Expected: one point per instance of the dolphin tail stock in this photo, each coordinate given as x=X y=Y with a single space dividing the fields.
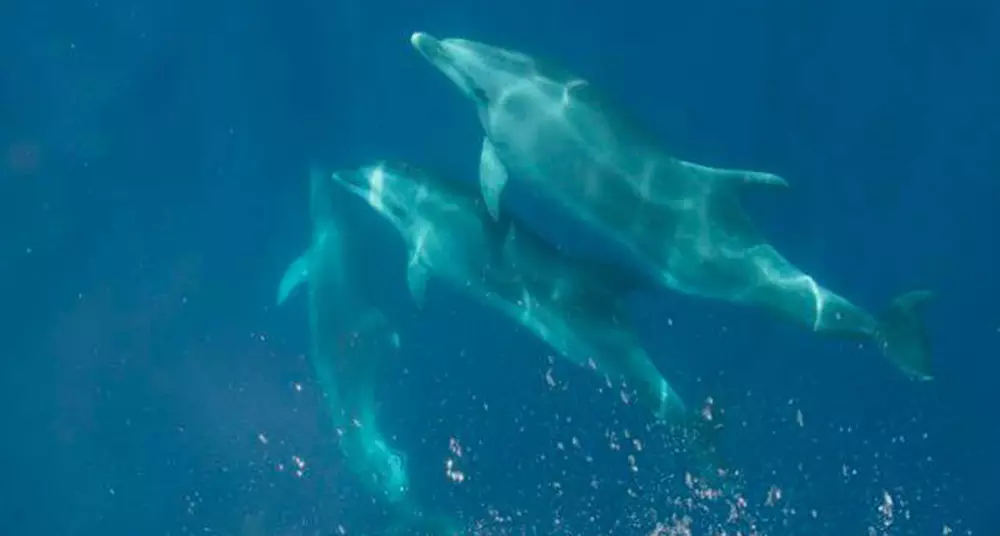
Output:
x=902 y=336
x=667 y=404
x=377 y=463
x=652 y=389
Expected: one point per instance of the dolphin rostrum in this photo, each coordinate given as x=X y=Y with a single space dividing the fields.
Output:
x=350 y=339
x=575 y=307
x=681 y=221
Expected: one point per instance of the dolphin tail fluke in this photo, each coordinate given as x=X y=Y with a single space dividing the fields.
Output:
x=902 y=336
x=296 y=274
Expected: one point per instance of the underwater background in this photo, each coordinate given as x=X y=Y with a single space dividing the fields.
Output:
x=154 y=161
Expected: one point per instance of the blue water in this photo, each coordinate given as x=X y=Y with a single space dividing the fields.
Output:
x=154 y=181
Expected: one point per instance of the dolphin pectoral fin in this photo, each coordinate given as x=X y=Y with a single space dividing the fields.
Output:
x=737 y=176
x=902 y=336
x=492 y=178
x=296 y=273
x=416 y=279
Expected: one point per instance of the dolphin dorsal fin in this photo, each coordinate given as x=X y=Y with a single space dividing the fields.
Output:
x=735 y=176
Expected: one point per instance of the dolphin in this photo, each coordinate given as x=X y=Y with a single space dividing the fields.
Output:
x=350 y=338
x=576 y=308
x=681 y=222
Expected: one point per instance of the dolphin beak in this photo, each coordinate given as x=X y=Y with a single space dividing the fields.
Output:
x=429 y=46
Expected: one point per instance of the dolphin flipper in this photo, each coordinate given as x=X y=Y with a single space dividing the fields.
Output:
x=296 y=274
x=492 y=178
x=902 y=336
x=321 y=213
x=736 y=176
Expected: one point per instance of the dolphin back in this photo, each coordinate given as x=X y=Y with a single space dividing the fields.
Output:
x=438 y=179
x=465 y=192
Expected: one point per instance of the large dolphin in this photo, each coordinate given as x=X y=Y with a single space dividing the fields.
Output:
x=350 y=338
x=574 y=307
x=682 y=222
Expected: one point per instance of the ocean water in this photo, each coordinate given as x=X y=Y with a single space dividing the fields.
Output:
x=154 y=166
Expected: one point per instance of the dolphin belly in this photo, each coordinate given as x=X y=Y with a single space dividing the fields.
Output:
x=601 y=212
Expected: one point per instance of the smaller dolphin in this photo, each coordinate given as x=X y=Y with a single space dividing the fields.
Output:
x=575 y=307
x=681 y=221
x=349 y=340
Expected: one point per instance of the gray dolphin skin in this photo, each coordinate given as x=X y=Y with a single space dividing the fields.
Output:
x=682 y=222
x=350 y=339
x=576 y=308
